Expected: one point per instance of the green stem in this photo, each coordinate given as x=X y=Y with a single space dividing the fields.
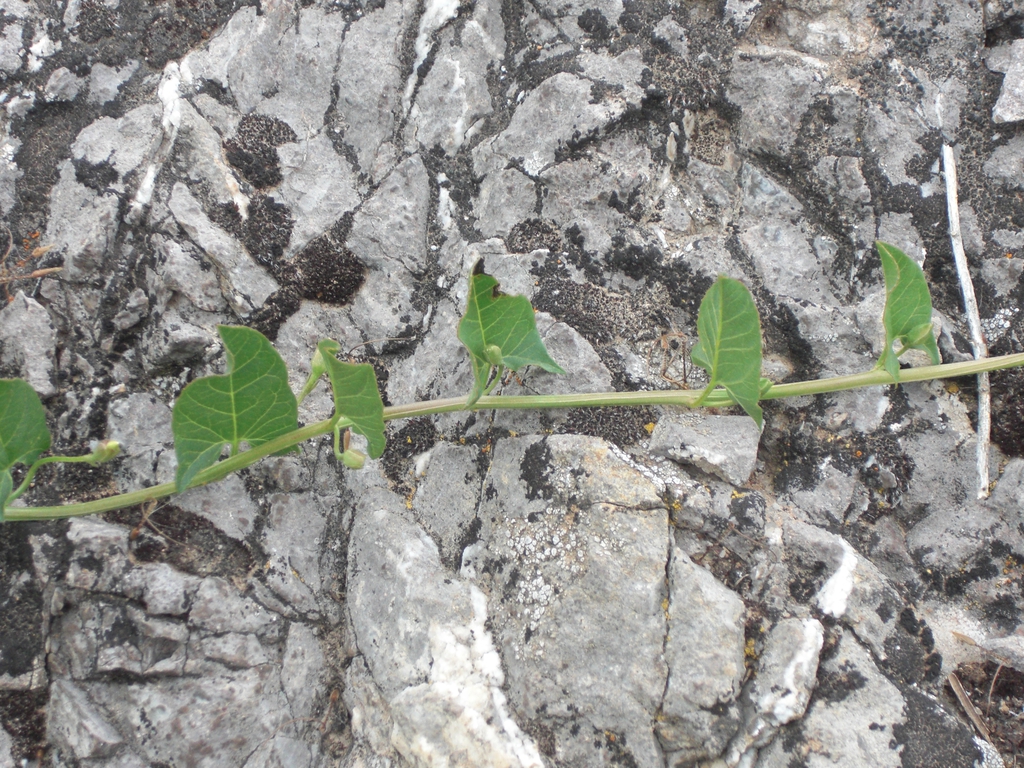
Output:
x=48 y=460
x=717 y=399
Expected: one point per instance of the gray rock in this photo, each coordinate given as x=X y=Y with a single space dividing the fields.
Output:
x=74 y=724
x=81 y=225
x=6 y=746
x=579 y=539
x=725 y=446
x=781 y=690
x=164 y=591
x=245 y=284
x=579 y=195
x=218 y=607
x=773 y=224
x=854 y=591
x=135 y=308
x=742 y=12
x=11 y=50
x=105 y=82
x=1007 y=163
x=63 y=85
x=28 y=342
x=774 y=92
x=390 y=230
x=853 y=729
x=142 y=424
x=539 y=127
x=318 y=188
x=425 y=640
x=208 y=719
x=447 y=497
x=279 y=61
x=175 y=342
x=179 y=271
x=453 y=99
x=293 y=540
x=302 y=668
x=1010 y=106
x=281 y=752
x=506 y=198
x=705 y=655
x=894 y=133
x=370 y=91
x=669 y=32
x=528 y=582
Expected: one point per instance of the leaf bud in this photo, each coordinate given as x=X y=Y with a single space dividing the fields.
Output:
x=103 y=450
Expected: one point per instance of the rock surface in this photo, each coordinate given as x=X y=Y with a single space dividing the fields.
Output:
x=569 y=588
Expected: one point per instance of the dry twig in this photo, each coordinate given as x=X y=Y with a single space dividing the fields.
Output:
x=978 y=345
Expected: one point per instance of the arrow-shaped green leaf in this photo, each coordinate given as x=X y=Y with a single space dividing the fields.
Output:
x=729 y=343
x=252 y=402
x=499 y=330
x=908 y=309
x=356 y=396
x=23 y=432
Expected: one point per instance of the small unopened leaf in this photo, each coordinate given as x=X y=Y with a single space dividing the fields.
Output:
x=356 y=396
x=23 y=432
x=250 y=403
x=908 y=309
x=729 y=343
x=499 y=329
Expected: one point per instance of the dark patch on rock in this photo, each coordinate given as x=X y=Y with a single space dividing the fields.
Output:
x=1004 y=611
x=186 y=541
x=268 y=230
x=906 y=658
x=615 y=749
x=909 y=621
x=21 y=605
x=265 y=232
x=411 y=439
x=543 y=736
x=621 y=426
x=593 y=22
x=981 y=567
x=23 y=714
x=997 y=692
x=97 y=176
x=279 y=306
x=253 y=151
x=930 y=735
x=835 y=685
x=599 y=315
x=534 y=234
x=534 y=471
x=217 y=92
x=633 y=260
x=328 y=272
x=60 y=483
x=748 y=510
x=725 y=563
x=1008 y=410
x=807 y=581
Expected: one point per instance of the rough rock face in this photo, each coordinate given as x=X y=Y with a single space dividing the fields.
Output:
x=571 y=588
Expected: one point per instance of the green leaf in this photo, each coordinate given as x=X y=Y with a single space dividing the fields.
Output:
x=729 y=344
x=502 y=328
x=252 y=402
x=908 y=309
x=23 y=432
x=356 y=396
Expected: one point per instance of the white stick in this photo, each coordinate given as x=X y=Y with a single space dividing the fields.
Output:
x=978 y=344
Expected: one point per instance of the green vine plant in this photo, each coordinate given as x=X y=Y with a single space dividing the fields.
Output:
x=251 y=411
